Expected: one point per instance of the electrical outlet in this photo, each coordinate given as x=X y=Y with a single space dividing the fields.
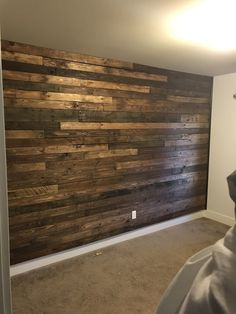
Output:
x=133 y=214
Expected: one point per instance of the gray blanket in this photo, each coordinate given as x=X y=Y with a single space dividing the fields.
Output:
x=207 y=282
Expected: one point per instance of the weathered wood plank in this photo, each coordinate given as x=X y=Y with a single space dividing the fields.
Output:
x=47 y=104
x=174 y=162
x=21 y=57
x=71 y=81
x=195 y=118
x=157 y=107
x=27 y=167
x=75 y=148
x=24 y=151
x=88 y=116
x=112 y=126
x=195 y=100
x=64 y=55
x=56 y=96
x=56 y=149
x=111 y=153
x=76 y=138
x=174 y=100
x=99 y=69
x=35 y=191
x=23 y=134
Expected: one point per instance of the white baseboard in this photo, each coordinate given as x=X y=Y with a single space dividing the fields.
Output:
x=227 y=220
x=58 y=257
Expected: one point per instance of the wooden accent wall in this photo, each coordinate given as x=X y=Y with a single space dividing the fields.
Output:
x=91 y=139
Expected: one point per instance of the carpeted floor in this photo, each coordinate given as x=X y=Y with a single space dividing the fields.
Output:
x=128 y=278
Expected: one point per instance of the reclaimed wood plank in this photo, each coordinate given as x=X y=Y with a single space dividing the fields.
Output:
x=26 y=167
x=75 y=148
x=174 y=162
x=194 y=100
x=56 y=96
x=21 y=57
x=35 y=191
x=62 y=80
x=111 y=153
x=64 y=55
x=100 y=69
x=112 y=126
x=24 y=134
x=48 y=104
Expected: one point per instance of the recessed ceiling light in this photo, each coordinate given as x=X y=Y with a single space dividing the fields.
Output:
x=206 y=23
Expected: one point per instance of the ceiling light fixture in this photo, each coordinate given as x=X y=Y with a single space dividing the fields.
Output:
x=207 y=23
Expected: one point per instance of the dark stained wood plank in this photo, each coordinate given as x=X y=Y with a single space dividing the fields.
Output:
x=47 y=104
x=195 y=100
x=174 y=162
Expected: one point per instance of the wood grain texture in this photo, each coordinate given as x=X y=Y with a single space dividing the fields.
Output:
x=22 y=134
x=129 y=126
x=62 y=80
x=56 y=96
x=90 y=139
x=27 y=167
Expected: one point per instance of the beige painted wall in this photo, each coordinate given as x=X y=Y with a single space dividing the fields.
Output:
x=223 y=144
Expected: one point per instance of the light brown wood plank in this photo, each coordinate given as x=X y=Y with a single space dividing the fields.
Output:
x=21 y=57
x=74 y=148
x=35 y=191
x=27 y=167
x=100 y=69
x=24 y=134
x=71 y=81
x=139 y=106
x=64 y=55
x=55 y=96
x=111 y=153
x=22 y=151
x=113 y=126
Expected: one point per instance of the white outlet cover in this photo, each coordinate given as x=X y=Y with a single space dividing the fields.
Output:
x=133 y=214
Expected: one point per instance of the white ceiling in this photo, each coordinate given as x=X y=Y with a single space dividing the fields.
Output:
x=130 y=30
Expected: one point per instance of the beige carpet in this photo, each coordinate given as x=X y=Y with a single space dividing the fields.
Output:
x=128 y=278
